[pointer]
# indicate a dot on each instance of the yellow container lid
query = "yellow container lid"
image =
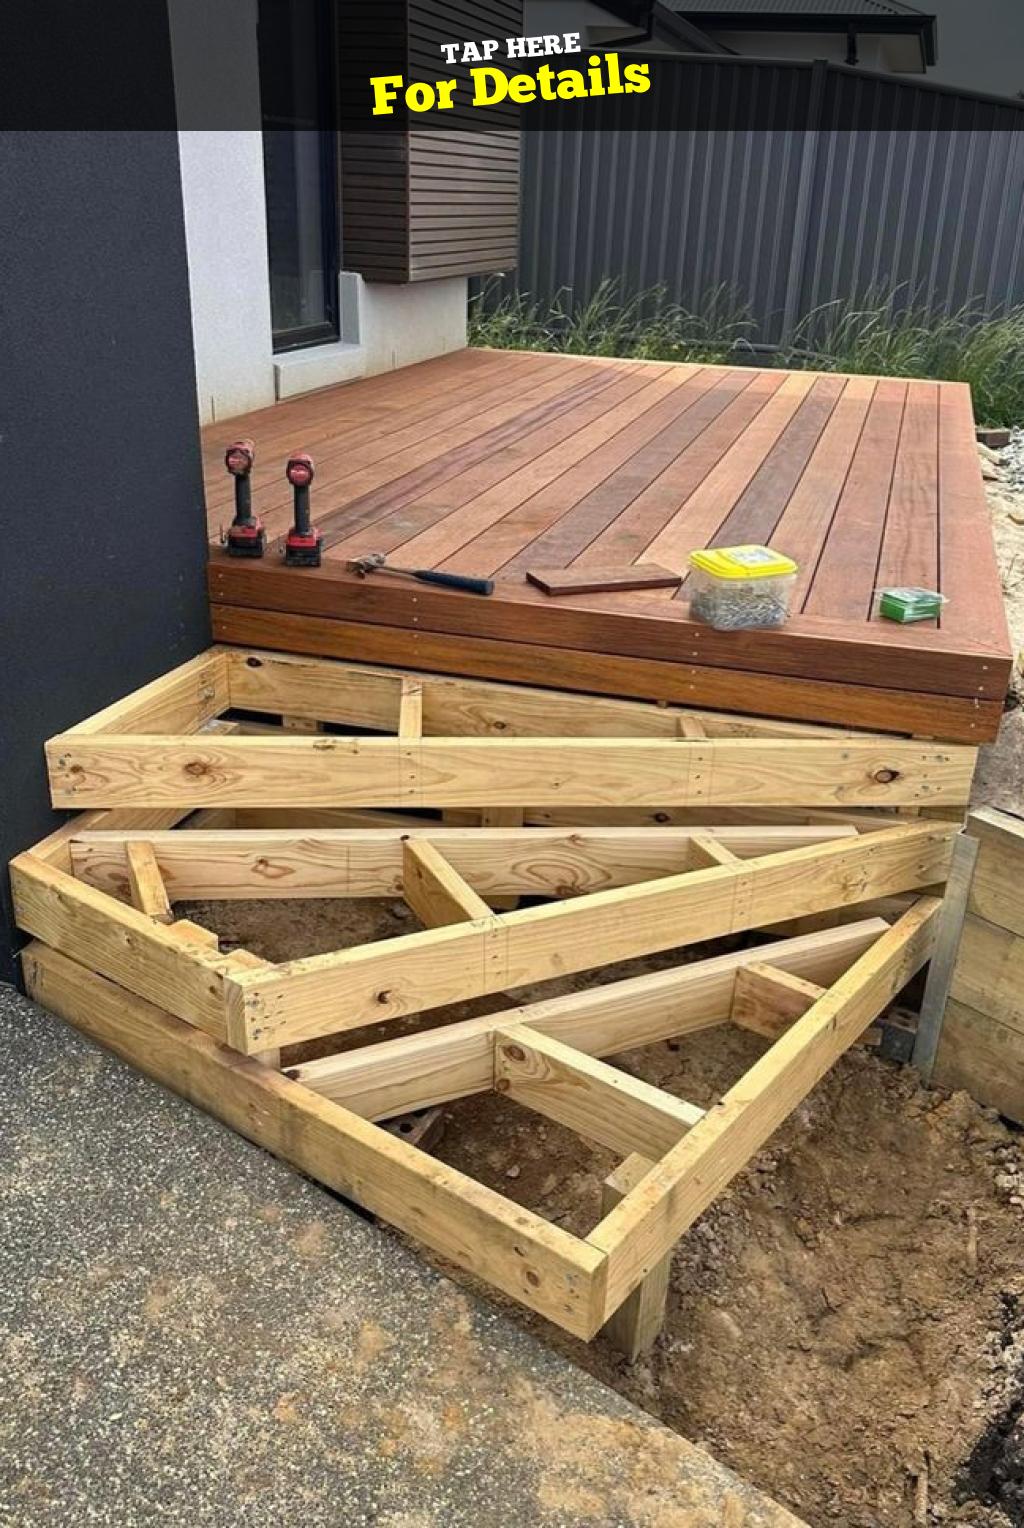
(742, 562)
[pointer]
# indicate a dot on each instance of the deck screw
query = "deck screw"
(514, 1052)
(384, 996)
(254, 662)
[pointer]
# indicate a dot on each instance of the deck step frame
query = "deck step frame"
(159, 991)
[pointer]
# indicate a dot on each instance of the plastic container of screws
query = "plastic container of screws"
(741, 588)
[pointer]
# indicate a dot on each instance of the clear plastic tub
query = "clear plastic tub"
(741, 588)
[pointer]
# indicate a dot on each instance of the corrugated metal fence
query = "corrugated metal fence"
(926, 195)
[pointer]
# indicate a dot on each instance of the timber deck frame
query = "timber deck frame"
(466, 743)
(681, 1156)
(111, 956)
(495, 462)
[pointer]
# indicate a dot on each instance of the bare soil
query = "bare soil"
(846, 1323)
(848, 1316)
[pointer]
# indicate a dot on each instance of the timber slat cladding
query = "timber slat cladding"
(493, 462)
(418, 205)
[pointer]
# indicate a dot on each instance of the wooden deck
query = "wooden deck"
(492, 462)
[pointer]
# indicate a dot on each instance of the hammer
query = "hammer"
(376, 562)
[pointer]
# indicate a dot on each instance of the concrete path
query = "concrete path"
(192, 1334)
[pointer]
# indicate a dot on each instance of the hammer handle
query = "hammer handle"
(454, 581)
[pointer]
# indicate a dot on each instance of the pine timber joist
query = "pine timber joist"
(578, 1282)
(280, 863)
(648, 1222)
(619, 894)
(273, 1005)
(446, 756)
(141, 770)
(438, 1065)
(539, 1264)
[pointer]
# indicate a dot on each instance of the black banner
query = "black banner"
(424, 66)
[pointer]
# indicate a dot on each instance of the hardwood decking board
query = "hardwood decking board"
(849, 561)
(628, 537)
(526, 455)
(573, 532)
(968, 572)
(587, 388)
(376, 396)
(624, 438)
(807, 518)
(948, 716)
(465, 506)
(697, 520)
(631, 625)
(362, 465)
(487, 462)
(526, 523)
(910, 542)
(756, 513)
(323, 420)
(428, 457)
(338, 424)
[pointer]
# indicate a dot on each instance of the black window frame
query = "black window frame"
(301, 337)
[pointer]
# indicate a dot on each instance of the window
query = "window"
(296, 55)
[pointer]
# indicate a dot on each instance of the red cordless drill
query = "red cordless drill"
(303, 544)
(246, 536)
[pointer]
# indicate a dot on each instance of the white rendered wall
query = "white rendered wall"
(383, 326)
(399, 325)
(226, 237)
(217, 87)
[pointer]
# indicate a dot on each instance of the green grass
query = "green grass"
(880, 338)
(882, 335)
(646, 327)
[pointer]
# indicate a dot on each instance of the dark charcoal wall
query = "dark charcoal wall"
(101, 522)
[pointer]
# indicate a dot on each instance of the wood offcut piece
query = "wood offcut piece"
(644, 575)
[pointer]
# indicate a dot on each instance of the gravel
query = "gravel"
(1011, 460)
